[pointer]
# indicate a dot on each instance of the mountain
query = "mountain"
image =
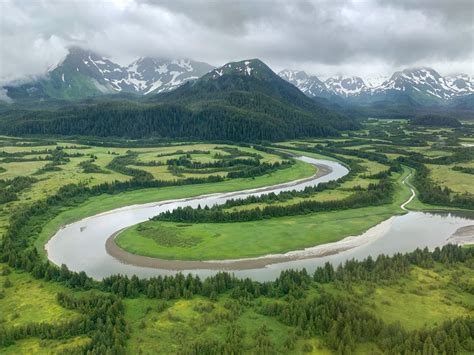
(154, 75)
(422, 86)
(83, 74)
(240, 101)
(248, 95)
(310, 85)
(78, 75)
(346, 87)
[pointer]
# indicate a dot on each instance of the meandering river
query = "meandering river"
(88, 245)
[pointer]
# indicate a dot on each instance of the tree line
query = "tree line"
(376, 194)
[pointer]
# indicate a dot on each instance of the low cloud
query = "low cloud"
(364, 38)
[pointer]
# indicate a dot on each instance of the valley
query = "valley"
(49, 183)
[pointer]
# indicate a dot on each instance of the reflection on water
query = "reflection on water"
(81, 245)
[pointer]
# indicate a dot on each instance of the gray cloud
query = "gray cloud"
(324, 37)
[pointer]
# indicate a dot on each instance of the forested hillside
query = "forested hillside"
(232, 103)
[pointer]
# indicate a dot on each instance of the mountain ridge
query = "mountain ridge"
(423, 84)
(83, 73)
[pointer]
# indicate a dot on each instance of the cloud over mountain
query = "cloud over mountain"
(323, 37)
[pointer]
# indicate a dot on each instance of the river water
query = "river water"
(81, 245)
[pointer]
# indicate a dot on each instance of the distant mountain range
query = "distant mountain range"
(423, 86)
(84, 74)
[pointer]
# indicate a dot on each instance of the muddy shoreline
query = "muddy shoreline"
(463, 236)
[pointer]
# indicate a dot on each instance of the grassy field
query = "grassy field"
(25, 300)
(457, 181)
(28, 300)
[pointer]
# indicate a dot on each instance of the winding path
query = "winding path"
(413, 193)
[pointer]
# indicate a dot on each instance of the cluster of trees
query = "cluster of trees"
(120, 164)
(283, 195)
(89, 167)
(261, 169)
(180, 151)
(464, 169)
(459, 155)
(436, 121)
(186, 162)
(290, 282)
(9, 188)
(101, 319)
(58, 157)
(372, 156)
(375, 194)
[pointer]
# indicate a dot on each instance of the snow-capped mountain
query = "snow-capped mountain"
(345, 87)
(423, 85)
(154, 75)
(83, 73)
(310, 85)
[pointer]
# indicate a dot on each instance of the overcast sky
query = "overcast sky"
(366, 38)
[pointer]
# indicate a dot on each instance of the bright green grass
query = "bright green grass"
(30, 300)
(256, 238)
(104, 202)
(250, 239)
(431, 300)
(457, 181)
